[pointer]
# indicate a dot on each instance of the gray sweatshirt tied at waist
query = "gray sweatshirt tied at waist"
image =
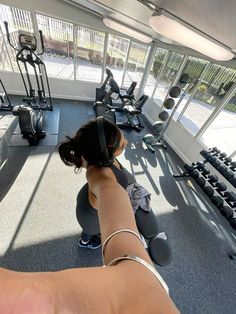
(139, 197)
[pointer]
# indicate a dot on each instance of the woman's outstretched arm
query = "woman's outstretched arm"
(127, 287)
(115, 212)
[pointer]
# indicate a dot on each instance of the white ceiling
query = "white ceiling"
(216, 18)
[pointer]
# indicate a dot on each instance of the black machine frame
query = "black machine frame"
(130, 108)
(32, 112)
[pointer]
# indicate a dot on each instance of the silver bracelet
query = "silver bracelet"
(113, 234)
(145, 264)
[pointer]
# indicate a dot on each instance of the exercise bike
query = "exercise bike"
(101, 106)
(32, 112)
(130, 108)
(103, 93)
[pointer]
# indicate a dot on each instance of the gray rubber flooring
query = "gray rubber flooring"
(39, 231)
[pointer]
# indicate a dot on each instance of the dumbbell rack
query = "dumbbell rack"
(224, 200)
(222, 164)
(160, 137)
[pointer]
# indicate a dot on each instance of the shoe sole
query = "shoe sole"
(89, 247)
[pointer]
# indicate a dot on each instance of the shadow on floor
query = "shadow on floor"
(51, 255)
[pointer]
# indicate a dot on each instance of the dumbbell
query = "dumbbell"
(200, 165)
(230, 196)
(233, 165)
(195, 174)
(217, 199)
(221, 187)
(208, 156)
(232, 180)
(208, 190)
(204, 153)
(222, 169)
(214, 161)
(227, 211)
(227, 161)
(205, 171)
(222, 156)
(211, 152)
(233, 223)
(229, 174)
(190, 168)
(200, 181)
(214, 150)
(212, 178)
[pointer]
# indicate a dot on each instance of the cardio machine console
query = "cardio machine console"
(27, 39)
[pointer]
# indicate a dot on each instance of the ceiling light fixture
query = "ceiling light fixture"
(126, 30)
(171, 27)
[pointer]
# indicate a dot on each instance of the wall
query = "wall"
(60, 88)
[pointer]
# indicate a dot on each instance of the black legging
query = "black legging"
(87, 217)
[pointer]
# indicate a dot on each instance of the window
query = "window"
(167, 77)
(136, 63)
(193, 67)
(222, 130)
(4, 55)
(153, 76)
(233, 156)
(116, 56)
(17, 19)
(207, 97)
(58, 43)
(90, 53)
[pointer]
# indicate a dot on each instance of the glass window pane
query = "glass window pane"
(222, 131)
(208, 96)
(233, 156)
(136, 63)
(58, 43)
(17, 19)
(155, 71)
(90, 52)
(4, 56)
(167, 77)
(116, 56)
(193, 67)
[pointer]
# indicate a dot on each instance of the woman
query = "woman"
(85, 146)
(99, 142)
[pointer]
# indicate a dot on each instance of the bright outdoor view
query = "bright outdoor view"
(74, 52)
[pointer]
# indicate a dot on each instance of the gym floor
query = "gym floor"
(39, 231)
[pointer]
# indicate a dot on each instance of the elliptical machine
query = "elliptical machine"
(32, 113)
